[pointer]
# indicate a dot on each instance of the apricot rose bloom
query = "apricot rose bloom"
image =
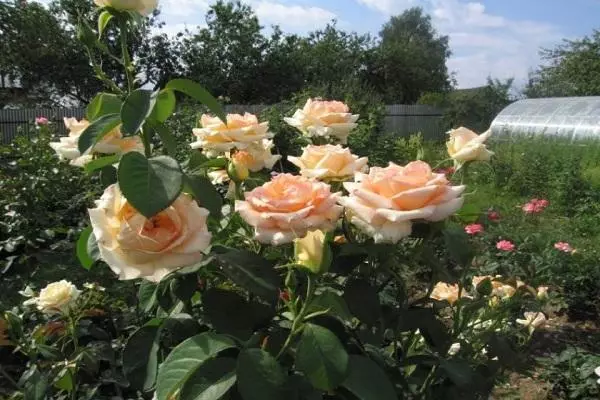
(325, 119)
(217, 138)
(288, 207)
(328, 162)
(112, 143)
(256, 156)
(144, 7)
(443, 291)
(136, 247)
(384, 202)
(56, 297)
(465, 145)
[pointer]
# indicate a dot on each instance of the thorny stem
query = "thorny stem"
(8, 377)
(125, 54)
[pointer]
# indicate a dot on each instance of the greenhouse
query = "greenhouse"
(571, 118)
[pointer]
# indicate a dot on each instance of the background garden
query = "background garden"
(44, 203)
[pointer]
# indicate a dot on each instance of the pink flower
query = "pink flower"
(535, 206)
(41, 121)
(505, 245)
(473, 229)
(493, 215)
(564, 246)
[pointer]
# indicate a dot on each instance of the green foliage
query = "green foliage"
(572, 374)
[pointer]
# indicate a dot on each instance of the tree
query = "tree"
(410, 59)
(572, 69)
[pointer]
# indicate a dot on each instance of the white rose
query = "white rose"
(325, 119)
(217, 138)
(328, 162)
(56, 297)
(136, 247)
(454, 349)
(144, 7)
(112, 143)
(532, 320)
(465, 145)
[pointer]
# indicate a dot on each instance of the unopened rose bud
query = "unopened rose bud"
(313, 252)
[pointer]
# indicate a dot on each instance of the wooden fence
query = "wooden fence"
(400, 120)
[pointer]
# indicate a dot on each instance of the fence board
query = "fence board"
(400, 119)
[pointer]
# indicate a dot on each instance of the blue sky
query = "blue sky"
(500, 38)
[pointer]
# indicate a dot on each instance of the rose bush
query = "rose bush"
(285, 287)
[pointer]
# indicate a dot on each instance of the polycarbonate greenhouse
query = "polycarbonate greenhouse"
(570, 118)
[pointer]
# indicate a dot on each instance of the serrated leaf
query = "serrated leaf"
(137, 107)
(211, 381)
(101, 162)
(185, 359)
(102, 104)
(103, 20)
(97, 130)
(205, 193)
(84, 258)
(321, 357)
(363, 301)
(167, 139)
(140, 356)
(147, 296)
(367, 381)
(165, 105)
(150, 185)
(196, 91)
(259, 375)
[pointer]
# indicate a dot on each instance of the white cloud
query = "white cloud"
(175, 9)
(291, 16)
(389, 6)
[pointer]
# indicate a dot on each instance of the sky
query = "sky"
(497, 38)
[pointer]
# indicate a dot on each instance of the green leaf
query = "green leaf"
(215, 163)
(458, 371)
(211, 381)
(102, 104)
(363, 301)
(103, 20)
(250, 271)
(136, 109)
(367, 381)
(205, 193)
(147, 296)
(84, 258)
(185, 360)
(150, 185)
(64, 380)
(97, 130)
(469, 213)
(165, 105)
(259, 375)
(101, 163)
(140, 356)
(167, 138)
(197, 92)
(458, 245)
(328, 299)
(108, 175)
(321, 357)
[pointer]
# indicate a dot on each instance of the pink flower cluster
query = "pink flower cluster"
(474, 229)
(41, 121)
(505, 245)
(535, 206)
(493, 216)
(564, 246)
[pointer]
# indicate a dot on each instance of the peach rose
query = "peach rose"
(217, 138)
(256, 156)
(443, 291)
(144, 7)
(288, 207)
(465, 145)
(384, 202)
(112, 143)
(134, 246)
(325, 119)
(499, 288)
(328, 162)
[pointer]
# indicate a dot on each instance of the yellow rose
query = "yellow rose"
(217, 138)
(136, 247)
(112, 143)
(238, 167)
(328, 162)
(4, 333)
(445, 292)
(144, 7)
(465, 145)
(385, 201)
(288, 207)
(324, 119)
(55, 298)
(313, 252)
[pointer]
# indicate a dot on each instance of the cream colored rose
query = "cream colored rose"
(443, 291)
(384, 202)
(324, 118)
(112, 143)
(288, 207)
(216, 138)
(136, 247)
(465, 145)
(542, 292)
(218, 177)
(313, 252)
(55, 298)
(144, 7)
(328, 162)
(499, 288)
(533, 320)
(256, 155)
